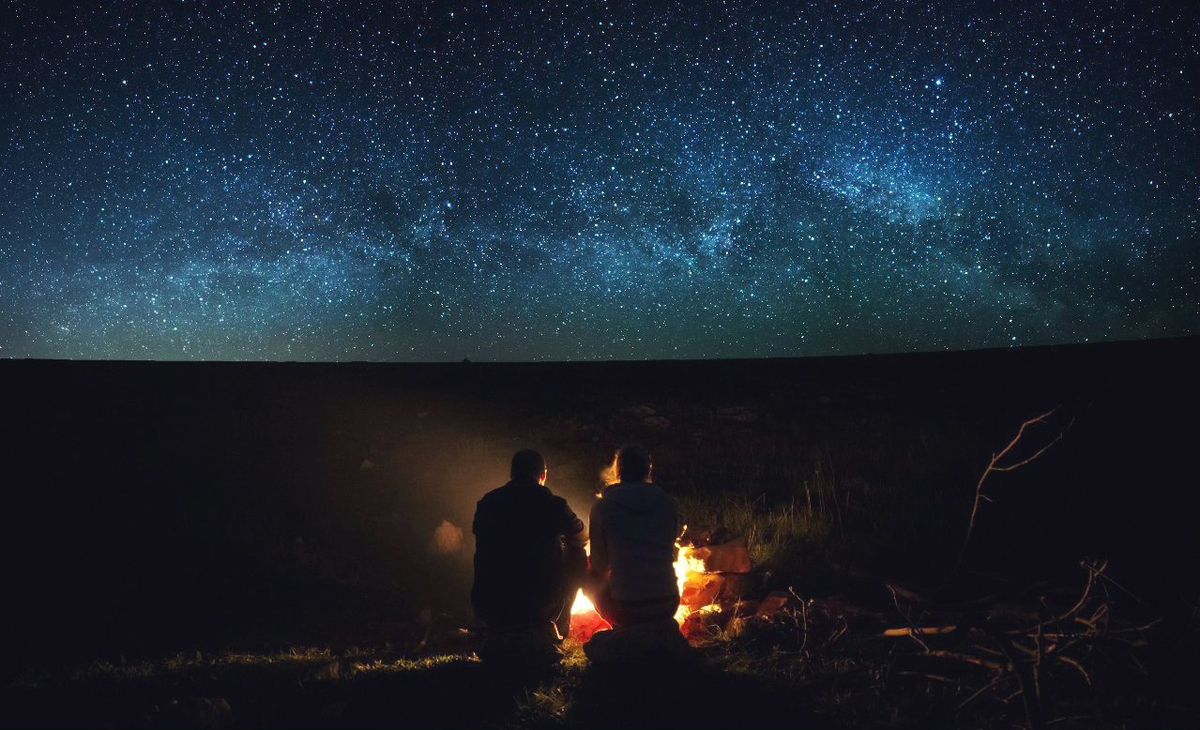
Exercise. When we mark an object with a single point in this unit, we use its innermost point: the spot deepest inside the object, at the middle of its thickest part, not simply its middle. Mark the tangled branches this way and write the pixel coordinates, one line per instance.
(1009, 652)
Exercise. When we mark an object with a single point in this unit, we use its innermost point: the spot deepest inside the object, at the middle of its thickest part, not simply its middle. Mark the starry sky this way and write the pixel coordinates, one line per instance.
(587, 180)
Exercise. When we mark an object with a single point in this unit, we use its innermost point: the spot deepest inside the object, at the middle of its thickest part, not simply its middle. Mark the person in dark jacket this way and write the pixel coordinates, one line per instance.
(529, 553)
(634, 526)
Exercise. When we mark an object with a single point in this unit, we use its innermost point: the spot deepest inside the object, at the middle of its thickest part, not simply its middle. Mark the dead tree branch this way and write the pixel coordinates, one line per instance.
(995, 465)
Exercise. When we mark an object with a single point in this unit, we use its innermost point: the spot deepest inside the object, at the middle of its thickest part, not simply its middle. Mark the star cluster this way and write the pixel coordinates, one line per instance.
(588, 180)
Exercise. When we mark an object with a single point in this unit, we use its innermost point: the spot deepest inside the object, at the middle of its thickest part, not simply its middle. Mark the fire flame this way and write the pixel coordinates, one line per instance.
(582, 604)
(686, 565)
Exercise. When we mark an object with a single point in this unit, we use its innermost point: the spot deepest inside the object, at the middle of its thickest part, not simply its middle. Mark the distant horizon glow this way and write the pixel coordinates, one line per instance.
(524, 182)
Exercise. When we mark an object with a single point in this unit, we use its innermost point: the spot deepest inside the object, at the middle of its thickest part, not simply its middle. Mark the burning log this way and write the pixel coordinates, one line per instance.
(730, 557)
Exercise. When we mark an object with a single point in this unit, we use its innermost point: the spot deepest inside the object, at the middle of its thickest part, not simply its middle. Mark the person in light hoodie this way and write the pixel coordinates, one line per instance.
(633, 530)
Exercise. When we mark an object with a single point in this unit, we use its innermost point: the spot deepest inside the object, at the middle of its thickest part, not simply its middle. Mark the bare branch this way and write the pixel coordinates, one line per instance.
(995, 466)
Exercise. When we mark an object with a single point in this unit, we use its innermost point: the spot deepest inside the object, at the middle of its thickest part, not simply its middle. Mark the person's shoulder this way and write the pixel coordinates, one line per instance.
(599, 506)
(492, 496)
(666, 496)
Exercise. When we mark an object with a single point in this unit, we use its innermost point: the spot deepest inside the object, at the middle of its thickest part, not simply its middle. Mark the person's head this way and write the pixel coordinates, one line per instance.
(528, 464)
(634, 463)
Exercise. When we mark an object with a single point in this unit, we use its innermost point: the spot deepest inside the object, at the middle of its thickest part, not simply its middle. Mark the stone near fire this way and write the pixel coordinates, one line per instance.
(447, 539)
(772, 604)
(745, 608)
(703, 589)
(696, 535)
(729, 557)
(704, 535)
(587, 624)
(737, 585)
(704, 623)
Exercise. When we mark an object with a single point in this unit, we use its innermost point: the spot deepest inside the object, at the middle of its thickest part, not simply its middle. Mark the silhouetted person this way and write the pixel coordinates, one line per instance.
(634, 526)
(529, 556)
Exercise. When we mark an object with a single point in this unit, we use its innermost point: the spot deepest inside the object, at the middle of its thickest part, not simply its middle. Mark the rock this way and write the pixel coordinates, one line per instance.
(703, 535)
(745, 608)
(736, 585)
(730, 557)
(696, 535)
(702, 590)
(772, 604)
(585, 625)
(638, 644)
(703, 623)
(447, 539)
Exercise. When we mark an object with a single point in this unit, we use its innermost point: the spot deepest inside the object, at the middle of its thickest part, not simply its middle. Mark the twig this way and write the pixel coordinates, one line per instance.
(995, 466)
(1030, 691)
(1078, 667)
(921, 630)
(981, 690)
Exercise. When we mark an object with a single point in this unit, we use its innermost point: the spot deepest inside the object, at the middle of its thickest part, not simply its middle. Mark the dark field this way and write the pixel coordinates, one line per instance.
(222, 544)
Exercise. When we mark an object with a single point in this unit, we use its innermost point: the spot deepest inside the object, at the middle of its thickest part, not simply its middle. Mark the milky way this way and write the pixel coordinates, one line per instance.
(345, 181)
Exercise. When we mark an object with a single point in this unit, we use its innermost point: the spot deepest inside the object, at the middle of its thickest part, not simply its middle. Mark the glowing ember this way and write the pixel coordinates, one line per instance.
(585, 621)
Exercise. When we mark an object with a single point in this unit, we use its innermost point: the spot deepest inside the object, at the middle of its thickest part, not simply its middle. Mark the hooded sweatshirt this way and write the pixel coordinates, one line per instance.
(633, 530)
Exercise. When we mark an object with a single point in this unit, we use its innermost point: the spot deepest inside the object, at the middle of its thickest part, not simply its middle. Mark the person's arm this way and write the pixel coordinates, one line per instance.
(575, 537)
(571, 527)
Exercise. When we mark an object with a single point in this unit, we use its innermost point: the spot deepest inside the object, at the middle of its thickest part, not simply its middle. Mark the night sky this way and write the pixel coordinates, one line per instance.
(345, 181)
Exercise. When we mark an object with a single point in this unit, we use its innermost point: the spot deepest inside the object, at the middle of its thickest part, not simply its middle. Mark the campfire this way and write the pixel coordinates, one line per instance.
(704, 573)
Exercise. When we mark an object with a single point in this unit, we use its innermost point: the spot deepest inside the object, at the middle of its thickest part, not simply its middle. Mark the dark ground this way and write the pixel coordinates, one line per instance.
(240, 509)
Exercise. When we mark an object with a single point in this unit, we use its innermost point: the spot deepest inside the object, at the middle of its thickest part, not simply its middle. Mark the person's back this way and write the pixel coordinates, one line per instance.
(633, 528)
(526, 540)
(638, 524)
